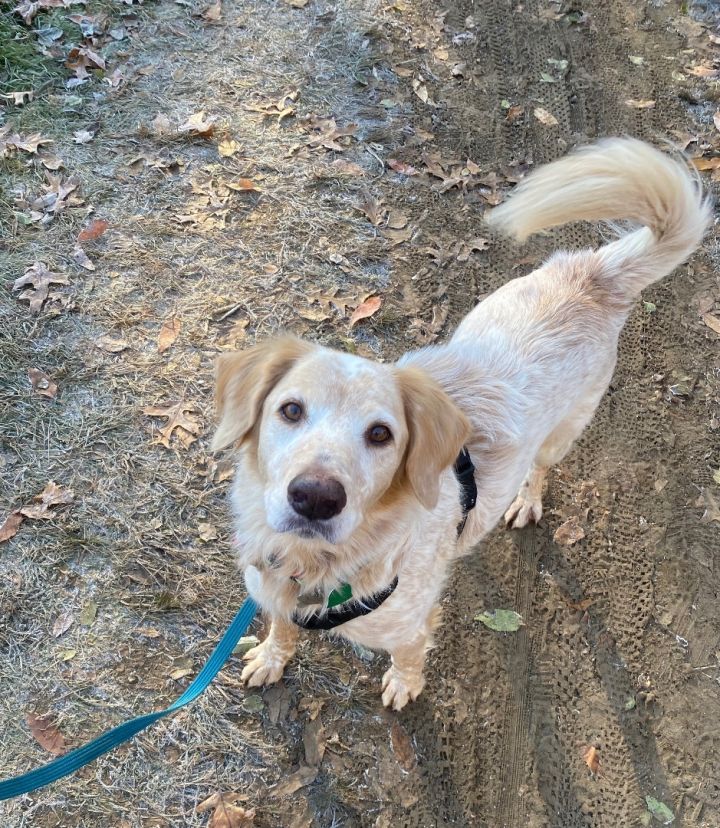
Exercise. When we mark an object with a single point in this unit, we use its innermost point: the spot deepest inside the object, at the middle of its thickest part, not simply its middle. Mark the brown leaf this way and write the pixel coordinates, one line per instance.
(46, 734)
(402, 747)
(187, 427)
(712, 322)
(569, 532)
(704, 164)
(39, 278)
(213, 13)
(401, 167)
(366, 309)
(62, 624)
(704, 72)
(544, 116)
(591, 757)
(640, 104)
(396, 220)
(228, 147)
(226, 814)
(342, 167)
(243, 185)
(10, 526)
(161, 125)
(81, 258)
(29, 143)
(112, 346)
(515, 112)
(51, 495)
(314, 742)
(94, 230)
(374, 210)
(465, 249)
(168, 334)
(51, 162)
(198, 124)
(303, 776)
(41, 383)
(396, 237)
(712, 510)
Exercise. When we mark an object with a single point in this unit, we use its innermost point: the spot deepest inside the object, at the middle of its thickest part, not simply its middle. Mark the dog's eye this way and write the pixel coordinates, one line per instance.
(291, 411)
(378, 434)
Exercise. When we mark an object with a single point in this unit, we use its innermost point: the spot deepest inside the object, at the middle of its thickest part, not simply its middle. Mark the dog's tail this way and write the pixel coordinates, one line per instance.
(616, 179)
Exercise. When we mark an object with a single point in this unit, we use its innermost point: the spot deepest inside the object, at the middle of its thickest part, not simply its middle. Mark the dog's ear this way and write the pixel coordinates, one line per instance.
(243, 381)
(437, 432)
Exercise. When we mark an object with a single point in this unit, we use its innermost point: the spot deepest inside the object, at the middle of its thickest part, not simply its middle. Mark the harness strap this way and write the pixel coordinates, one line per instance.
(341, 614)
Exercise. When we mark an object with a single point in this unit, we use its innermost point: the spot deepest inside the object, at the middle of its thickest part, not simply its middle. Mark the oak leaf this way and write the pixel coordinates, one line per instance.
(51, 495)
(226, 814)
(46, 734)
(94, 230)
(198, 124)
(180, 423)
(365, 309)
(38, 279)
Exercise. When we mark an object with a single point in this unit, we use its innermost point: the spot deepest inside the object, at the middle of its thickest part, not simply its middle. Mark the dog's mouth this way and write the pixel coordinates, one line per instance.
(304, 528)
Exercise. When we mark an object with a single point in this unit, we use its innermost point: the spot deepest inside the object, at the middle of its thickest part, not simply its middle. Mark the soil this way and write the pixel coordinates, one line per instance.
(610, 691)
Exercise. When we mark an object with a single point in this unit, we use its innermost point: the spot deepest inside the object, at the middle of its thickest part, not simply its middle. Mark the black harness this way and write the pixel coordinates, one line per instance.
(327, 619)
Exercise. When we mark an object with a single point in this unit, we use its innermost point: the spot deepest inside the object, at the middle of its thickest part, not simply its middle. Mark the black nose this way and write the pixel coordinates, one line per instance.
(316, 498)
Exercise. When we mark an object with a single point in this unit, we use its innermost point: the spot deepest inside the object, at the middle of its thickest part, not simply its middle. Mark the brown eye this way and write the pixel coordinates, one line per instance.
(291, 411)
(378, 434)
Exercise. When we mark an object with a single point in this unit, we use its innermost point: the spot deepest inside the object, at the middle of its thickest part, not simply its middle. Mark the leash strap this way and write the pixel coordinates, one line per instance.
(70, 762)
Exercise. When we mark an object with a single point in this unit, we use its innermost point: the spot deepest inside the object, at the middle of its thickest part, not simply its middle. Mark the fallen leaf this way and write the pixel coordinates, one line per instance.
(28, 143)
(81, 258)
(89, 614)
(62, 624)
(46, 734)
(396, 220)
(39, 278)
(41, 383)
(716, 476)
(297, 4)
(401, 167)
(168, 334)
(544, 116)
(303, 776)
(51, 495)
(465, 249)
(185, 428)
(226, 814)
(213, 13)
(716, 120)
(161, 125)
(640, 104)
(712, 510)
(19, 98)
(366, 309)
(569, 533)
(83, 136)
(51, 162)
(441, 53)
(591, 757)
(10, 526)
(66, 655)
(342, 167)
(637, 60)
(659, 810)
(314, 742)
(712, 322)
(243, 185)
(501, 620)
(94, 230)
(228, 147)
(704, 72)
(402, 747)
(374, 210)
(111, 345)
(198, 124)
(704, 164)
(207, 532)
(247, 642)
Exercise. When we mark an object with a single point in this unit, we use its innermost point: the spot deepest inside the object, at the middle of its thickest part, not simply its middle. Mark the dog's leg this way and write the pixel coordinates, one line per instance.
(266, 662)
(404, 681)
(527, 506)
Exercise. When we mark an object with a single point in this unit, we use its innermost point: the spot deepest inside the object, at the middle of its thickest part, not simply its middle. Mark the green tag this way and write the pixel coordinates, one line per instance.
(339, 596)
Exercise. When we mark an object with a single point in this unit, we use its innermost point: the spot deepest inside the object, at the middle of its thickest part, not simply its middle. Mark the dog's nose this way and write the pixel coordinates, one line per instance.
(316, 498)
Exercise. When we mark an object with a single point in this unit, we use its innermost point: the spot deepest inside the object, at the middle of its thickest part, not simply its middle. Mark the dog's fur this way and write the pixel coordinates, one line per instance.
(516, 384)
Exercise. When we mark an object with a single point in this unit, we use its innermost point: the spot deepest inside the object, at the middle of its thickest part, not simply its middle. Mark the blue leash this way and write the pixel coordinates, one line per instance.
(70, 762)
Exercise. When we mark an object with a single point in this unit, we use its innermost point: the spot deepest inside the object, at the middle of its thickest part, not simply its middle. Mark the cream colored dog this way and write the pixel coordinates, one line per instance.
(345, 472)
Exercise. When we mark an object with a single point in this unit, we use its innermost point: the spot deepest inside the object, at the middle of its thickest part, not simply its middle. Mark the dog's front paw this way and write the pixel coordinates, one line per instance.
(400, 688)
(265, 664)
(524, 509)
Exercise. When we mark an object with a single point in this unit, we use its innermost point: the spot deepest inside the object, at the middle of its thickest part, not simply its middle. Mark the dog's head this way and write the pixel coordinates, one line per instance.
(332, 434)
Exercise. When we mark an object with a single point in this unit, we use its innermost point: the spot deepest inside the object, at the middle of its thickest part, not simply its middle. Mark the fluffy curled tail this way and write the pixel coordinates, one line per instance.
(616, 179)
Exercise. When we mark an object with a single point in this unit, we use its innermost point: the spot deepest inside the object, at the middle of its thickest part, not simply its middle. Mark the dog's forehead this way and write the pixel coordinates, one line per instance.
(345, 378)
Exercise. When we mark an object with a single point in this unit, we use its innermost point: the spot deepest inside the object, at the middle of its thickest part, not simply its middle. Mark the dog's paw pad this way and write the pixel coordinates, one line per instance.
(399, 689)
(523, 511)
(265, 665)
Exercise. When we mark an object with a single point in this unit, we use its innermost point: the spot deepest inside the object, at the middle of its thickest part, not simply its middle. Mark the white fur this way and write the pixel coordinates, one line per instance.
(527, 367)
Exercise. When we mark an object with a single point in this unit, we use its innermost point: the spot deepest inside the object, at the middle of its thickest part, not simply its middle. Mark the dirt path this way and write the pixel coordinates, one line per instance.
(352, 151)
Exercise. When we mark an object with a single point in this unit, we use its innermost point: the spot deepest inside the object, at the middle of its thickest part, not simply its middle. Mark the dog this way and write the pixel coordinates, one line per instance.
(348, 502)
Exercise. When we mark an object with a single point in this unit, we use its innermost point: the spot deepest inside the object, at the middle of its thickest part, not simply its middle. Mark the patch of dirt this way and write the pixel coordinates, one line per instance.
(347, 150)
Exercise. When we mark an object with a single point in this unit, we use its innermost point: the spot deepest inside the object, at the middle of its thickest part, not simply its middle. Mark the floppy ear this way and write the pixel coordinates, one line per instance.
(243, 381)
(437, 432)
